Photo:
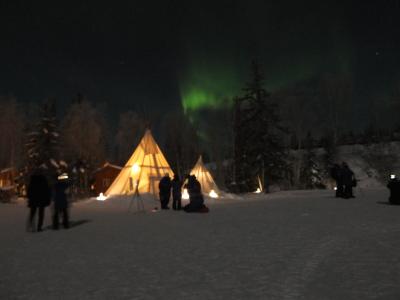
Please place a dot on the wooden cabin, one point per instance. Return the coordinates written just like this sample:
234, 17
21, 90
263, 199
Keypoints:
103, 177
7, 178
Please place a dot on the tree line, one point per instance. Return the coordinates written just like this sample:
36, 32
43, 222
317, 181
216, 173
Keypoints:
250, 141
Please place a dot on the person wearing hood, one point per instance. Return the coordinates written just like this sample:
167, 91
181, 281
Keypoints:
60, 199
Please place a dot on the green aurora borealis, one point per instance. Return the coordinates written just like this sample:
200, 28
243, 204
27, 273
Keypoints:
209, 87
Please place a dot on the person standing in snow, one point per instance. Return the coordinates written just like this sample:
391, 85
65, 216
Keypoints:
176, 193
336, 173
165, 191
348, 181
39, 196
60, 199
394, 187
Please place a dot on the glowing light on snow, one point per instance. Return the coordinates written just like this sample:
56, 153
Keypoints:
258, 191
185, 194
135, 169
62, 176
101, 197
213, 194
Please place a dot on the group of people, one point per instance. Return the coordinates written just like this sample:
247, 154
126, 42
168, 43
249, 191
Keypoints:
174, 186
40, 195
345, 180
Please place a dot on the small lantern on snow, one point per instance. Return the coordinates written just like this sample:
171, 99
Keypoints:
213, 194
185, 194
101, 197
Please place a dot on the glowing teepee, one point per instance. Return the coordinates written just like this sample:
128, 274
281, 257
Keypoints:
204, 177
144, 169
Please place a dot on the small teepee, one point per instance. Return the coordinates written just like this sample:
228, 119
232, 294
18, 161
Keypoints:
204, 177
144, 169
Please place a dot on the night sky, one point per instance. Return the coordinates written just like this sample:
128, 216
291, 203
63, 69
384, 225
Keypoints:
168, 54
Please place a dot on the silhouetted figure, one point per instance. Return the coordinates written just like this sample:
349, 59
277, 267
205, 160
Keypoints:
196, 200
39, 196
394, 187
176, 193
348, 181
61, 204
336, 173
165, 191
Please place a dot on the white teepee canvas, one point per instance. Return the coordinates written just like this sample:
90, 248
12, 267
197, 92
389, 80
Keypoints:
144, 169
204, 177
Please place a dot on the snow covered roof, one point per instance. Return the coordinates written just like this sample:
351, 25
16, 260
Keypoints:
7, 170
107, 164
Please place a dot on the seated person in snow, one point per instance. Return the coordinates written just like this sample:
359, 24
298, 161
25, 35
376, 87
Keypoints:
196, 200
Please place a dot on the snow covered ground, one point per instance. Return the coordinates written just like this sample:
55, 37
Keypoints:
287, 245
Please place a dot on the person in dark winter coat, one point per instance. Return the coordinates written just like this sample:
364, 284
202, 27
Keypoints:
60, 200
165, 191
176, 193
394, 187
336, 173
348, 181
196, 200
39, 196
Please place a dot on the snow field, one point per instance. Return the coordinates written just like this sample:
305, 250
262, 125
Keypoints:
286, 245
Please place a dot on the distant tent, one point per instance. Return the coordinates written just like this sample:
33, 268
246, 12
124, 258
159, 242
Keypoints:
204, 177
145, 168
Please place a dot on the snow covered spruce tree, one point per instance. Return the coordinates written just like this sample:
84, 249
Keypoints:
311, 173
42, 146
258, 145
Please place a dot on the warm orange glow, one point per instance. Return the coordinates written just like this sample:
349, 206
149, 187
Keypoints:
185, 194
213, 194
143, 171
135, 169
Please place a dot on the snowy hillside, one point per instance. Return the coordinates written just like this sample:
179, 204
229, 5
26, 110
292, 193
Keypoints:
372, 164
